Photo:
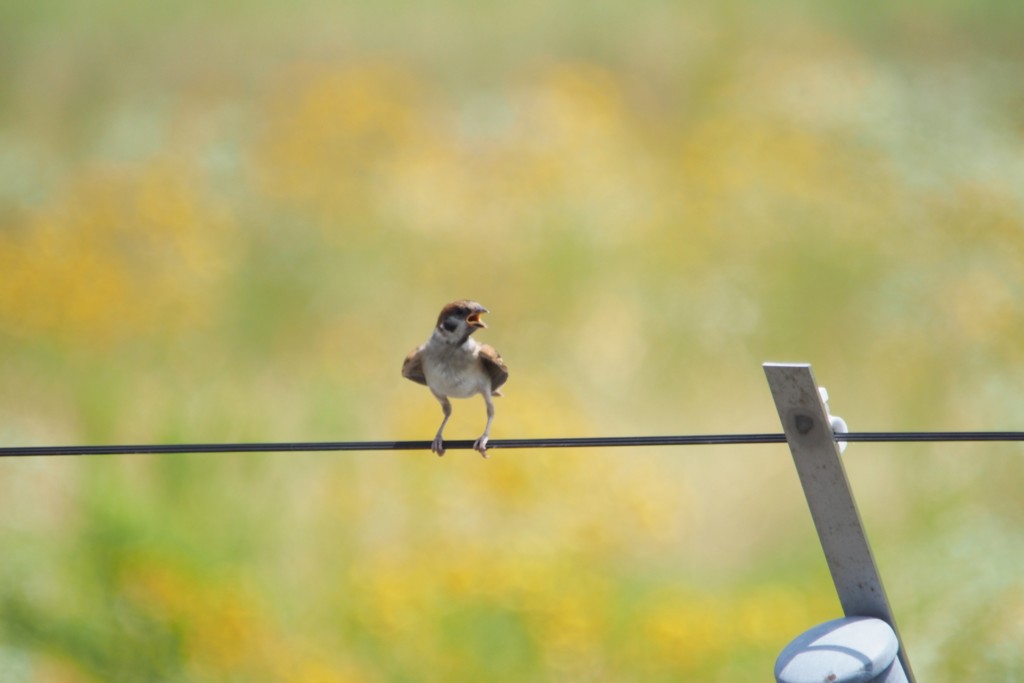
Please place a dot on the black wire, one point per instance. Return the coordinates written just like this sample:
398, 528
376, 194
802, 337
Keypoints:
576, 442
903, 437
581, 442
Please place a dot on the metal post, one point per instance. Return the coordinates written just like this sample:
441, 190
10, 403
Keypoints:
805, 420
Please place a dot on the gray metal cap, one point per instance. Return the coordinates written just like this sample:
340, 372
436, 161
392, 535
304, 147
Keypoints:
847, 650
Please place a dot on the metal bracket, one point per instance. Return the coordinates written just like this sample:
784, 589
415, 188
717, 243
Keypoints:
806, 423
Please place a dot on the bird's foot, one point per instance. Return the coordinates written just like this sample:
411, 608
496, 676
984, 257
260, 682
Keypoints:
481, 445
438, 445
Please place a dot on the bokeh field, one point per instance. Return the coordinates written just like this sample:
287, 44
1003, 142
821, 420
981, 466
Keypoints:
230, 221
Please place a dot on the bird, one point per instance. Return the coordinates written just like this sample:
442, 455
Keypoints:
454, 365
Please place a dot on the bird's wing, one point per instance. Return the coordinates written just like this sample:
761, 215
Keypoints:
494, 366
412, 367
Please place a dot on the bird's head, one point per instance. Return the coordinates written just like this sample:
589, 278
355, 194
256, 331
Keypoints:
459, 319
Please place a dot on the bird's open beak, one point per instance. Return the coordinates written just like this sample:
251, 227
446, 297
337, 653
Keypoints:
474, 318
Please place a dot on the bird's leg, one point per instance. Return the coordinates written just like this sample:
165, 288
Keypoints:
481, 443
438, 445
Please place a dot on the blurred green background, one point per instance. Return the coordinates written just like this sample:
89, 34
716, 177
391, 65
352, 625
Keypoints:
230, 221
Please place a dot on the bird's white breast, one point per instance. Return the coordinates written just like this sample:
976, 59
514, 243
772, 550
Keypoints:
454, 371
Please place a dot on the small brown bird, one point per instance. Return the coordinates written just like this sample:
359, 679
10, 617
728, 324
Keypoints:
453, 364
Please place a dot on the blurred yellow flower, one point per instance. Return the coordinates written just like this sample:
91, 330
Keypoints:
122, 254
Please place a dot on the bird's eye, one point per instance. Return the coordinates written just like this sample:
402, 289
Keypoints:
450, 324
